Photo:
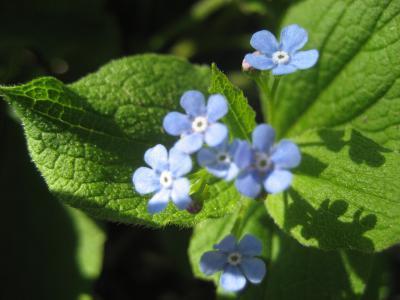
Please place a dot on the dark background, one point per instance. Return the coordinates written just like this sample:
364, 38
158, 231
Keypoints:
67, 39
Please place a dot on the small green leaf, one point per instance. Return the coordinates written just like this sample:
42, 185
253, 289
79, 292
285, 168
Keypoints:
87, 138
241, 117
344, 194
291, 268
356, 80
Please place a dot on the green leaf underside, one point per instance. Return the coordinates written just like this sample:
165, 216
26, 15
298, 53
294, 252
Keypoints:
87, 138
356, 80
291, 268
344, 194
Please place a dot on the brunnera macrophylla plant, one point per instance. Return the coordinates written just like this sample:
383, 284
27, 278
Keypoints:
321, 170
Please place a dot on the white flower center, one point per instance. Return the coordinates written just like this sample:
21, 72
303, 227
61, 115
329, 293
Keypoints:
280, 57
199, 124
262, 162
223, 158
235, 258
166, 179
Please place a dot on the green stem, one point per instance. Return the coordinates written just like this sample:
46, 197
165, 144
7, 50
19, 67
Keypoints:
265, 96
275, 85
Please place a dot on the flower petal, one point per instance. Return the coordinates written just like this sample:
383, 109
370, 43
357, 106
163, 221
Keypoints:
243, 155
305, 59
259, 61
206, 157
193, 103
250, 245
232, 279
145, 181
228, 244
180, 193
179, 163
157, 157
233, 171
215, 134
190, 143
248, 184
277, 181
293, 38
159, 201
176, 123
265, 42
284, 69
212, 262
253, 268
217, 107
286, 155
263, 137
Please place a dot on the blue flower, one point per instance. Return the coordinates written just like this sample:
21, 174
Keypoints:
164, 178
284, 57
200, 122
219, 160
265, 164
236, 261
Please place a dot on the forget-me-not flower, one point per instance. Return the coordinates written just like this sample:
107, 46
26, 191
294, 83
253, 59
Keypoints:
284, 57
265, 164
164, 178
199, 124
237, 262
219, 160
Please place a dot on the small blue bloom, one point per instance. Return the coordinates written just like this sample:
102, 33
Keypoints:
284, 57
200, 124
219, 160
265, 164
164, 178
236, 261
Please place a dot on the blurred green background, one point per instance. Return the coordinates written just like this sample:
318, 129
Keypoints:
49, 251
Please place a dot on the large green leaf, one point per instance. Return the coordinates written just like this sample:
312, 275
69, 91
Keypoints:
293, 271
356, 79
344, 195
87, 138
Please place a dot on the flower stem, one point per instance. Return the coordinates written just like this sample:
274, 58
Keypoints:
267, 94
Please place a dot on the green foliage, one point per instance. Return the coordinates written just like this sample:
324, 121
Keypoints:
344, 194
356, 79
291, 268
87, 138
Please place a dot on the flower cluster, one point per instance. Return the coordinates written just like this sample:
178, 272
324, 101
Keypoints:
256, 167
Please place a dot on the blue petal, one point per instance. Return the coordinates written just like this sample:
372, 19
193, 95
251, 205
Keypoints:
145, 181
193, 103
259, 61
212, 262
159, 201
286, 155
217, 107
228, 244
284, 69
243, 154
248, 184
232, 279
215, 134
305, 59
190, 143
293, 38
180, 193
278, 181
265, 42
157, 157
263, 137
250, 245
233, 171
206, 157
179, 163
254, 269
176, 123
